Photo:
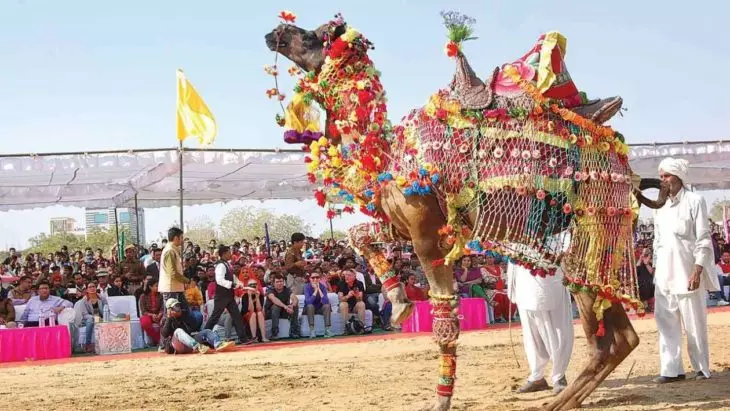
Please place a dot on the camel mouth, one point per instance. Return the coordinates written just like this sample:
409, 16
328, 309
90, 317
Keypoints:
274, 43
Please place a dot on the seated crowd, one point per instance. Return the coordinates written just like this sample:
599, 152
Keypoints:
247, 284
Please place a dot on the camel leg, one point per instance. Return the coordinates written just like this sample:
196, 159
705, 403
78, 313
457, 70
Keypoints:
420, 217
608, 351
361, 237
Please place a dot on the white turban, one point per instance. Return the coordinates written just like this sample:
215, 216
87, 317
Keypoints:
676, 167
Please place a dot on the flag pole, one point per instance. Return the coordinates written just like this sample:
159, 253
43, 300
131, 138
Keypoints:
180, 160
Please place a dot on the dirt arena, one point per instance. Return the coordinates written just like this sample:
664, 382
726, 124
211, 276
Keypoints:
394, 374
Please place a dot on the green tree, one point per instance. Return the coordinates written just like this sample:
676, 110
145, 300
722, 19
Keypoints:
96, 238
338, 235
248, 222
201, 230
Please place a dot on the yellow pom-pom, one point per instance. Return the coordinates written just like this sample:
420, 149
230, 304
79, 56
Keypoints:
322, 141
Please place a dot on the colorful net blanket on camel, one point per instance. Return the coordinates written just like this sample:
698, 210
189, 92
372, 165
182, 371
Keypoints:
524, 176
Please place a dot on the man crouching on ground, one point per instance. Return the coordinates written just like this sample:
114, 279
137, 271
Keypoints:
177, 338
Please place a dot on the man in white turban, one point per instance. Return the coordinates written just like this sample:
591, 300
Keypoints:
683, 274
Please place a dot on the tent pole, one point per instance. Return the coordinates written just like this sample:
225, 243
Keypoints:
180, 160
332, 231
136, 216
116, 229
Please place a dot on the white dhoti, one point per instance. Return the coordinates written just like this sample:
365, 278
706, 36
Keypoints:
548, 335
547, 321
674, 312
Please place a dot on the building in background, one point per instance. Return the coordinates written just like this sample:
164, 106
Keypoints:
62, 225
104, 219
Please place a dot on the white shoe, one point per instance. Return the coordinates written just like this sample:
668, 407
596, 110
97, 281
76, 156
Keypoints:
722, 303
312, 334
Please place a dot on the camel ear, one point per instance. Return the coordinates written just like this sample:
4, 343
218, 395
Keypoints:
323, 29
470, 91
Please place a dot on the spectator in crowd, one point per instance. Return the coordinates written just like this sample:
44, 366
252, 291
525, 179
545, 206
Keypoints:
76, 291
316, 301
7, 310
351, 293
131, 269
281, 303
88, 309
723, 275
22, 293
469, 278
153, 267
43, 304
252, 304
151, 307
57, 287
414, 292
645, 277
102, 278
294, 265
224, 299
373, 292
172, 279
195, 301
117, 289
178, 338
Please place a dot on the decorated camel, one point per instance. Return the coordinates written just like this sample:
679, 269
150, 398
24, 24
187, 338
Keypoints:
508, 165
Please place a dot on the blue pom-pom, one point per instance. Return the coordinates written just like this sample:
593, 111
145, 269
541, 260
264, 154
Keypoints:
422, 172
371, 207
435, 179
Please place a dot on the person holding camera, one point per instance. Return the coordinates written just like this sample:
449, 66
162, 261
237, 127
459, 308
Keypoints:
252, 303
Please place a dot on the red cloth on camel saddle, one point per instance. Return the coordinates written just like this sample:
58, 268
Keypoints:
544, 66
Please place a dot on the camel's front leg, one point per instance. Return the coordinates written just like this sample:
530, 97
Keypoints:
361, 237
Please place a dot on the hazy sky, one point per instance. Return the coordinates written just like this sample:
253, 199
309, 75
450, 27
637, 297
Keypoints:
94, 75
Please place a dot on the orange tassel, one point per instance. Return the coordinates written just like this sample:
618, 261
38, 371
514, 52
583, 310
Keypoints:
601, 329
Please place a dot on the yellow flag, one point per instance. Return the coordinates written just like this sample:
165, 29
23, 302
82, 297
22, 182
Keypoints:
193, 116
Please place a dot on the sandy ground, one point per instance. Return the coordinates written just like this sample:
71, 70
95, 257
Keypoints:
384, 374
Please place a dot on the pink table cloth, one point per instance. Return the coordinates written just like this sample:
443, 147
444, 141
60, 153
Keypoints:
34, 343
473, 313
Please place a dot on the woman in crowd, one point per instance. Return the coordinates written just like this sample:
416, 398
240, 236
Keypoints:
495, 289
469, 279
645, 274
151, 308
87, 309
194, 297
117, 288
252, 304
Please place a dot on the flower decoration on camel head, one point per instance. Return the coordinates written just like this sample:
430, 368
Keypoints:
459, 28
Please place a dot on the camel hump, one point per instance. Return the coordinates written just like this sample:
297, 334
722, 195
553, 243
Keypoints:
471, 92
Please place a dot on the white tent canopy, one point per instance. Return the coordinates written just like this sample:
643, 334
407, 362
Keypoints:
709, 162
112, 179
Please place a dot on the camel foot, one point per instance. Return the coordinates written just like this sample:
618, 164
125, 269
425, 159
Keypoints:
402, 307
401, 312
442, 404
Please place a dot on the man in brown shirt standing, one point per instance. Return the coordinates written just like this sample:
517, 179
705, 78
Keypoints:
172, 279
131, 269
295, 265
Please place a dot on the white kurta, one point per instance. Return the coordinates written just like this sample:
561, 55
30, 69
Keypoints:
681, 241
546, 318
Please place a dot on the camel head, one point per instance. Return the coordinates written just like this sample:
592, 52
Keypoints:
305, 48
